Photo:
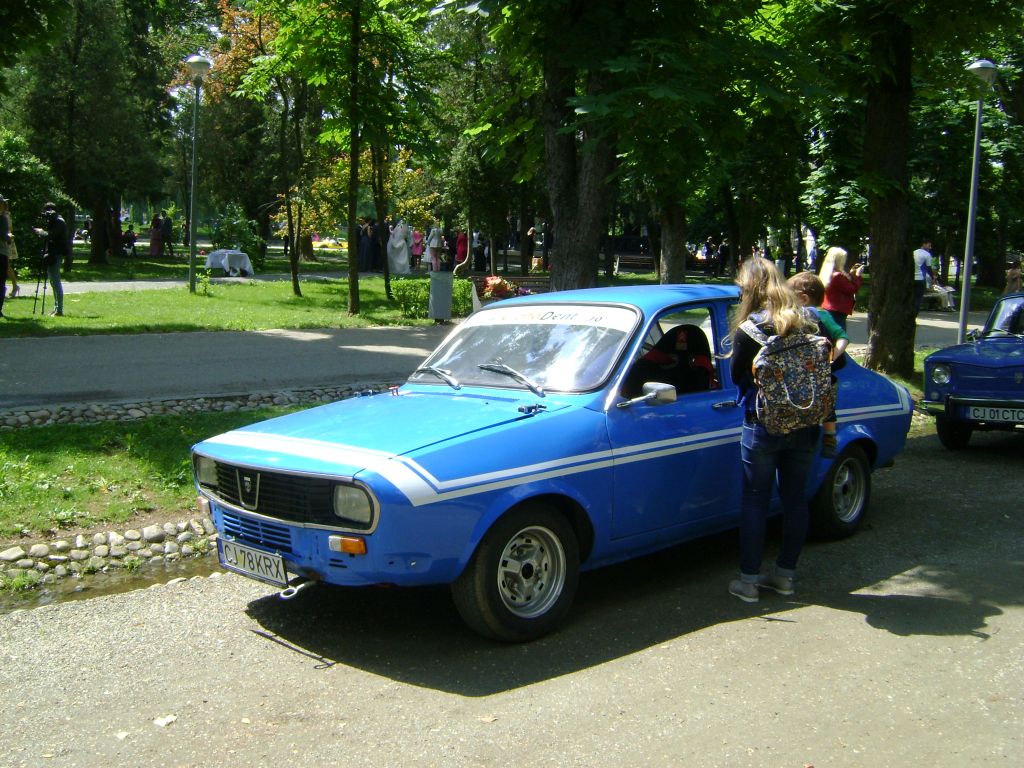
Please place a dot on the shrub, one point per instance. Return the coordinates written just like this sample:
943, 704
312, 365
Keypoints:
234, 230
413, 297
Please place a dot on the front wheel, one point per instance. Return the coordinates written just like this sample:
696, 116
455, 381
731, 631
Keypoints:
839, 506
954, 435
521, 581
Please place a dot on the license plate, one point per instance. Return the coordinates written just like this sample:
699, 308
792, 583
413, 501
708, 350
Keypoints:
989, 413
252, 562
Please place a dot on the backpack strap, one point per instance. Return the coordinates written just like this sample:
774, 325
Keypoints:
750, 328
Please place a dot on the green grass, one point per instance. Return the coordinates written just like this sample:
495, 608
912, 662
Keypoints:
93, 475
144, 268
234, 307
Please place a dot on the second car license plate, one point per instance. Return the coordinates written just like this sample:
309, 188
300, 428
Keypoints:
252, 562
989, 413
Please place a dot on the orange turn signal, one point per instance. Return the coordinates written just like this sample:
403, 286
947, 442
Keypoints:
204, 505
352, 545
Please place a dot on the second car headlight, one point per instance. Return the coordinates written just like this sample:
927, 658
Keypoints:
353, 506
941, 374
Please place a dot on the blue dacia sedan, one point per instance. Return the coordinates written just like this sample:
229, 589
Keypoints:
979, 386
547, 435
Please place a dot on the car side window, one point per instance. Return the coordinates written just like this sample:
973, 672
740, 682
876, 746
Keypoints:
678, 350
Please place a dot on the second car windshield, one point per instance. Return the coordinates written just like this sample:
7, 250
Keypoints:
557, 347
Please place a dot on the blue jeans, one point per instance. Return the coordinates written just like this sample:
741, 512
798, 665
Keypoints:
767, 458
53, 272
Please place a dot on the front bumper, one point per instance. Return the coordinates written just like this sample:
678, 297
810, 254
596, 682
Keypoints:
1002, 411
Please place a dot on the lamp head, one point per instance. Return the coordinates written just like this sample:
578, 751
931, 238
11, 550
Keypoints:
984, 70
199, 66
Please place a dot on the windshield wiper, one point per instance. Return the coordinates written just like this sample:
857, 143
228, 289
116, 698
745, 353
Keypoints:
536, 388
441, 373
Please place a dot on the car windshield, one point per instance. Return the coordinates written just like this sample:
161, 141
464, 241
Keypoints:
539, 347
1007, 317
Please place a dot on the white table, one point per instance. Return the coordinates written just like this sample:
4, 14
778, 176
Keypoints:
231, 261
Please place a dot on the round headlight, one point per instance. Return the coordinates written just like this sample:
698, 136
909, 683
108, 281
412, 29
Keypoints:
352, 505
206, 471
941, 374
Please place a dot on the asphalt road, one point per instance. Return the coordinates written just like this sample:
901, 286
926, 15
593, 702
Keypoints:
904, 646
88, 369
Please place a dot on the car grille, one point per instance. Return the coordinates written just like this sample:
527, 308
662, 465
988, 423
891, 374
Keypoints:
989, 382
267, 534
291, 498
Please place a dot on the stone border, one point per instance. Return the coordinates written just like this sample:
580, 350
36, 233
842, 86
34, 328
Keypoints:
91, 413
101, 552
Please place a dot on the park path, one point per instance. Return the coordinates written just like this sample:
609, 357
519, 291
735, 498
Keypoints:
43, 372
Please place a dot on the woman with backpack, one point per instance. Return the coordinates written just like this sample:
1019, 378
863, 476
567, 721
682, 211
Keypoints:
769, 313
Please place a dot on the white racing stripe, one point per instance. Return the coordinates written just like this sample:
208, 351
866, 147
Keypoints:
421, 487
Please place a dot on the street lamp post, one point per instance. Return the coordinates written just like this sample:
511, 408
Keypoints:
198, 65
985, 71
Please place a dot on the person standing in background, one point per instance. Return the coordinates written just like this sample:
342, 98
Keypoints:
435, 241
841, 286
55, 249
156, 235
167, 232
922, 272
5, 250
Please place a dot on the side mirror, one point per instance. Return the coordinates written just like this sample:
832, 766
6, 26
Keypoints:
973, 335
655, 393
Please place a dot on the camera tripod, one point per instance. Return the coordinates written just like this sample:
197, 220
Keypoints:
41, 279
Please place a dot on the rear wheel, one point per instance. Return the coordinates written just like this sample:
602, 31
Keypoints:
839, 506
521, 581
955, 435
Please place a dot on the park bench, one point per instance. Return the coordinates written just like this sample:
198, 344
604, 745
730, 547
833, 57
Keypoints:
540, 283
637, 262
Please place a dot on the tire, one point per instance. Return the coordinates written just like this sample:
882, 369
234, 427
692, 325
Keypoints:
954, 435
839, 506
521, 581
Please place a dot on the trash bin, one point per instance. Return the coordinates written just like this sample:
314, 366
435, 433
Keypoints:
439, 305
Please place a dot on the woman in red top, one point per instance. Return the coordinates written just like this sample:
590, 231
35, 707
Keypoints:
461, 247
840, 286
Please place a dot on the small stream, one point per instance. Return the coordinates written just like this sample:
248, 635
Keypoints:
111, 583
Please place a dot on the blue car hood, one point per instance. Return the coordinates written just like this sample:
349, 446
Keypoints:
992, 353
348, 436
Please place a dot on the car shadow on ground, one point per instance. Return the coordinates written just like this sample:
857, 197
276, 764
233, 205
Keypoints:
914, 569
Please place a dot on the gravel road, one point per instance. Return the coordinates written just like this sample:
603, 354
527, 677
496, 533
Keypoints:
904, 646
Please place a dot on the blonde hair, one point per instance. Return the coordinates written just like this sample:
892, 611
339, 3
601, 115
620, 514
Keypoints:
762, 289
835, 261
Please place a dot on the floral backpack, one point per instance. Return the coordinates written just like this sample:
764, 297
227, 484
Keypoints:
794, 378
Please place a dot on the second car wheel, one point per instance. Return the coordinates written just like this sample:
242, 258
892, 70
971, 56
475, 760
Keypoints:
522, 578
954, 435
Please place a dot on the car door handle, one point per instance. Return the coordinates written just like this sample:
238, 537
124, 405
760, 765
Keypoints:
724, 404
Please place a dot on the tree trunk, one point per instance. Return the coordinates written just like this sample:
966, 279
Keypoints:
101, 236
886, 151
576, 179
353, 160
306, 246
378, 162
673, 243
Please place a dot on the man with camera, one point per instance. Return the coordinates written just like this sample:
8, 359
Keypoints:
55, 248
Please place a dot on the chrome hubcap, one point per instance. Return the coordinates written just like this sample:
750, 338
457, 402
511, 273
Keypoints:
848, 491
531, 572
